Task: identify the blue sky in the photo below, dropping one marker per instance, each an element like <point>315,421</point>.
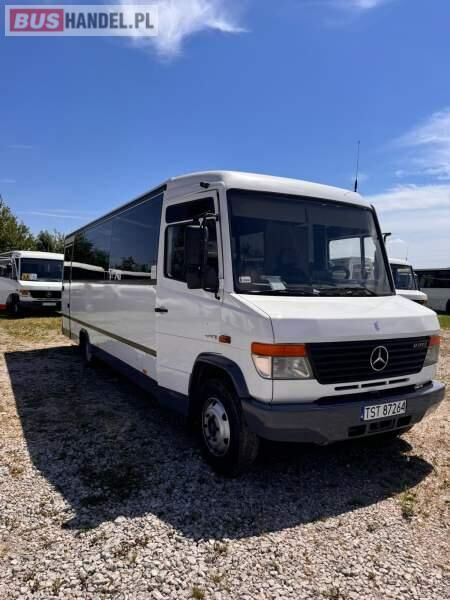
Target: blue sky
<point>285,88</point>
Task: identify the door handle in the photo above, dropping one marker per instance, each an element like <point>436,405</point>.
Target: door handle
<point>160,309</point>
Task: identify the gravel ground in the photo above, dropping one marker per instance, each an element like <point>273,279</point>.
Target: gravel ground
<point>103,495</point>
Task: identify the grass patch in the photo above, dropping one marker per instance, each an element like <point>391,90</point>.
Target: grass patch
<point>444,320</point>
<point>197,593</point>
<point>408,505</point>
<point>31,328</point>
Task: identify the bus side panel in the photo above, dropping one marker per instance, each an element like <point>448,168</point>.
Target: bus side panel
<point>113,284</point>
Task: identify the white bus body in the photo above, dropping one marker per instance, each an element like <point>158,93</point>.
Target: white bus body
<point>217,292</point>
<point>30,280</point>
<point>436,284</point>
<point>406,282</point>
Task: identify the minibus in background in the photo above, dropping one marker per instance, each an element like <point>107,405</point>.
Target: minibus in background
<point>405,281</point>
<point>436,284</point>
<point>222,294</point>
<point>30,280</point>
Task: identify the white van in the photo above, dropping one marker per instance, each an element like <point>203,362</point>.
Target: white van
<point>216,291</point>
<point>30,280</point>
<point>436,284</point>
<point>405,281</point>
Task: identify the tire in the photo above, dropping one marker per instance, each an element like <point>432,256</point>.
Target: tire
<point>86,350</point>
<point>12,307</point>
<point>448,307</point>
<point>227,443</point>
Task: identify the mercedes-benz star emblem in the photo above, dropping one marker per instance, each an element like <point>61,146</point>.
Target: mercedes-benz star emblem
<point>379,358</point>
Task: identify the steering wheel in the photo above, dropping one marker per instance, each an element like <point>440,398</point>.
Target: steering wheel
<point>341,269</point>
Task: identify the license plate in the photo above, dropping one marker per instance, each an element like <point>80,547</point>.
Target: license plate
<point>49,304</point>
<point>383,411</point>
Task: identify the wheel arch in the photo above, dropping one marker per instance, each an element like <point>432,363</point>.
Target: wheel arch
<point>13,297</point>
<point>215,365</point>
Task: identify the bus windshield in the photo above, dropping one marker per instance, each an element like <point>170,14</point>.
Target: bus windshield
<point>38,269</point>
<point>284,245</point>
<point>404,278</point>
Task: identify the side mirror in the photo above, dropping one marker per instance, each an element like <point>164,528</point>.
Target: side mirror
<point>195,240</point>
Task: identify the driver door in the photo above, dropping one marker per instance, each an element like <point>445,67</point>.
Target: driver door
<point>187,321</point>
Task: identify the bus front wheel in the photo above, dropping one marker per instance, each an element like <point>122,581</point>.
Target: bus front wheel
<point>228,445</point>
<point>12,306</point>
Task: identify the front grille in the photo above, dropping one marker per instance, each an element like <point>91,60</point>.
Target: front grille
<point>344,362</point>
<point>45,295</point>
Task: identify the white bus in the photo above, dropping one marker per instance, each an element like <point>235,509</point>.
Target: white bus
<point>405,281</point>
<point>436,284</point>
<point>30,280</point>
<point>217,292</point>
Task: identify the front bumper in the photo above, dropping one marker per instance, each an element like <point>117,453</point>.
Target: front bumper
<point>323,424</point>
<point>40,305</point>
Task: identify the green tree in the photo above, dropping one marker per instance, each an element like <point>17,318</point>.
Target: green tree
<point>14,234</point>
<point>47,241</point>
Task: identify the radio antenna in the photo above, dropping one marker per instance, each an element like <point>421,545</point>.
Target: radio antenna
<point>357,166</point>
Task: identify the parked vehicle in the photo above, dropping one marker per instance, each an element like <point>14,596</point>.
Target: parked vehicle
<point>436,284</point>
<point>30,280</point>
<point>405,281</point>
<point>217,292</point>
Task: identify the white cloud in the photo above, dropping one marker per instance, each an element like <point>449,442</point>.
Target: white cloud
<point>365,4</point>
<point>412,197</point>
<point>356,5</point>
<point>179,19</point>
<point>419,215</point>
<point>59,213</point>
<point>428,147</point>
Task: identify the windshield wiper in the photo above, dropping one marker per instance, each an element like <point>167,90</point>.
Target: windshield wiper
<point>348,291</point>
<point>286,292</point>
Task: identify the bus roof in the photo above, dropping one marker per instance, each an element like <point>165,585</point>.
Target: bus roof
<point>32,254</point>
<point>195,182</point>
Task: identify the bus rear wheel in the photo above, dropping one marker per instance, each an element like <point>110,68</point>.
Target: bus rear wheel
<point>86,349</point>
<point>227,443</point>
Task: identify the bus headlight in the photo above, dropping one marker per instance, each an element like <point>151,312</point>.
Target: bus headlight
<point>432,356</point>
<point>281,361</point>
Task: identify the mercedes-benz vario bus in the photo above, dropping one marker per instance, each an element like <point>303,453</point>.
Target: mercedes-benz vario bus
<point>217,292</point>
<point>30,280</point>
<point>405,281</point>
<point>436,284</point>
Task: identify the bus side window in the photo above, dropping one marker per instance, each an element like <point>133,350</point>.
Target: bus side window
<point>6,270</point>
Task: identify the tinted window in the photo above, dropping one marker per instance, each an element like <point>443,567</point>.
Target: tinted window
<point>6,268</point>
<point>38,269</point>
<point>302,246</point>
<point>91,253</point>
<point>187,211</point>
<point>175,266</point>
<point>134,245</point>
<point>436,279</point>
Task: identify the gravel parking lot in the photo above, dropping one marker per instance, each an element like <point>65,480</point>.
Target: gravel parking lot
<point>102,494</point>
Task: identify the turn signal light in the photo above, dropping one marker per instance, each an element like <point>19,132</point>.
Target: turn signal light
<point>278,349</point>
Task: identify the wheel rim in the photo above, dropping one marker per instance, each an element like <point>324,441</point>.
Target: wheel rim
<point>216,427</point>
